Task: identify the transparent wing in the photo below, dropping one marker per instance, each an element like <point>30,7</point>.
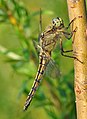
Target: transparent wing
<point>36,45</point>
<point>52,69</point>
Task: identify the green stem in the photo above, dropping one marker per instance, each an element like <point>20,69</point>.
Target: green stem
<point>10,54</point>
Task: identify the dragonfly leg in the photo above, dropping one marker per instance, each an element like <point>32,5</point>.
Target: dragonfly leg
<point>69,35</point>
<point>62,52</point>
<point>71,23</point>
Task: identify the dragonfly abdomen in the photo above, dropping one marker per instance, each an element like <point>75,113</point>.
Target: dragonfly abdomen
<point>42,66</point>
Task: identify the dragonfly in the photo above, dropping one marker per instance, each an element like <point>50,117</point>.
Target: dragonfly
<point>48,40</point>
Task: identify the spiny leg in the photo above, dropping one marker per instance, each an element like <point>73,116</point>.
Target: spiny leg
<point>71,23</point>
<point>69,35</point>
<point>62,52</point>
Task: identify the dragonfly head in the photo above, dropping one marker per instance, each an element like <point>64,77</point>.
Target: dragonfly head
<point>57,23</point>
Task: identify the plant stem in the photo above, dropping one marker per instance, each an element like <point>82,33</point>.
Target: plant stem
<point>77,9</point>
<point>10,54</point>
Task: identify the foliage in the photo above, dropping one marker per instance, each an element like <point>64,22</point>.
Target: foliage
<point>55,96</point>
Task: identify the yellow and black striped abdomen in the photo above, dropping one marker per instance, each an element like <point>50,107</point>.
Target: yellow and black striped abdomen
<point>41,69</point>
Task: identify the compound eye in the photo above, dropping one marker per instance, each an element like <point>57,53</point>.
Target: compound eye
<point>57,22</point>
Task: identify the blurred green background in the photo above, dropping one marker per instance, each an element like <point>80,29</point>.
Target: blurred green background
<point>19,25</point>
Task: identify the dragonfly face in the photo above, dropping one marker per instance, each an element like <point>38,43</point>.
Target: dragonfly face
<point>57,22</point>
